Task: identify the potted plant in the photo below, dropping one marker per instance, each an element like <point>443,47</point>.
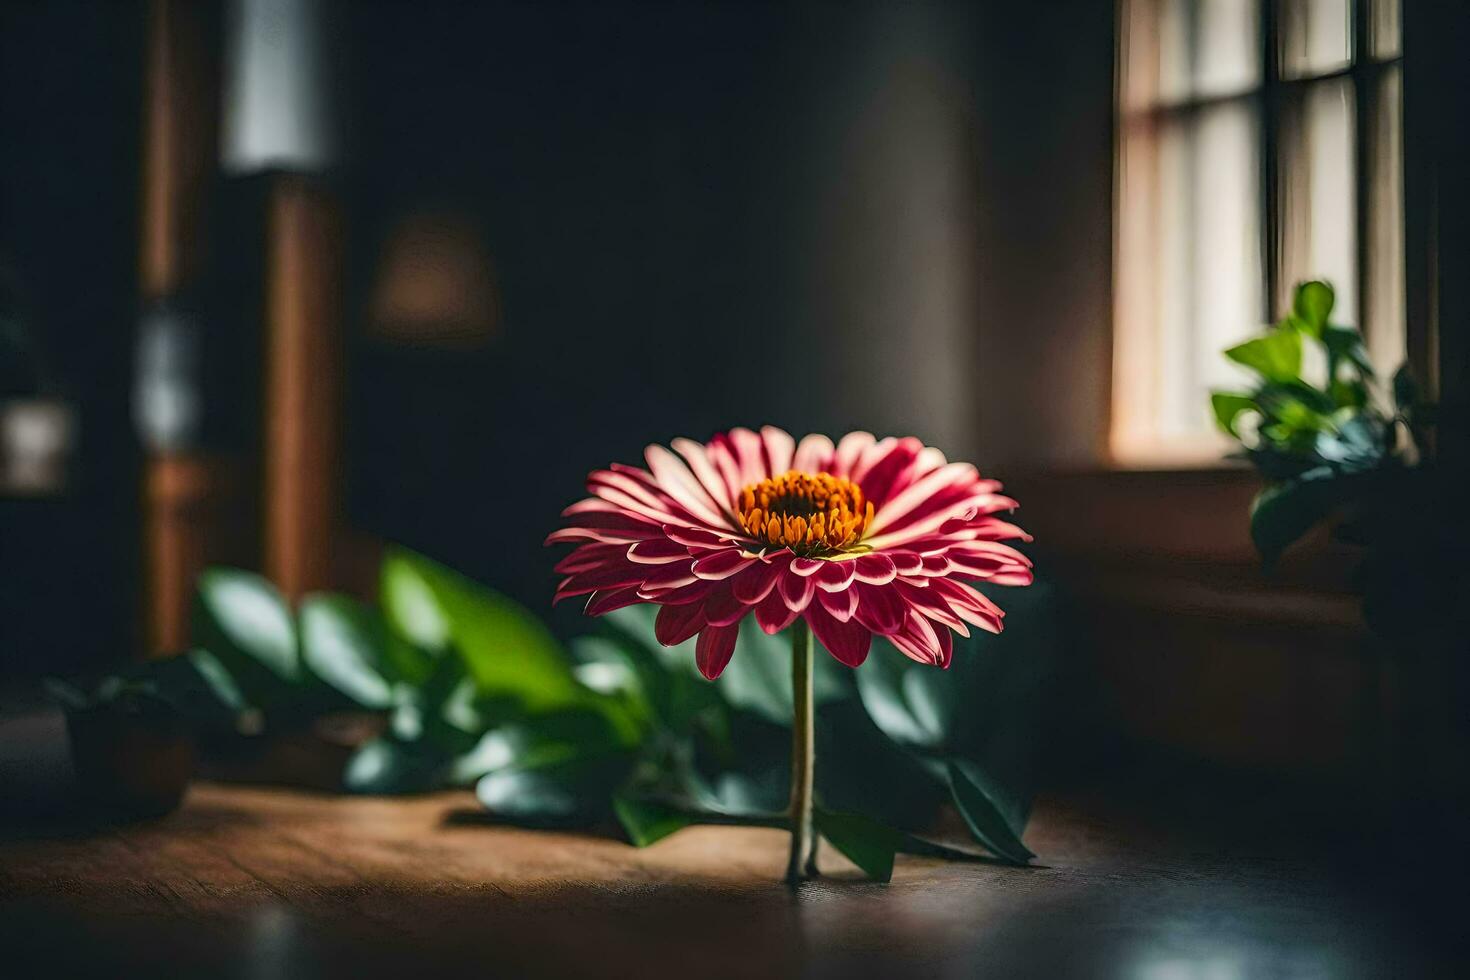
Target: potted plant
<point>131,747</point>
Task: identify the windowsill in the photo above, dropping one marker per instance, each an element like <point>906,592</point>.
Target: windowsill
<point>1143,528</point>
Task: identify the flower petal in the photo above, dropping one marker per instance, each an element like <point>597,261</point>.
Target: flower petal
<point>905,562</point>
<point>678,482</point>
<point>756,581</point>
<point>946,648</point>
<point>836,576</point>
<point>670,575</point>
<point>778,447</point>
<point>796,591</point>
<point>749,455</point>
<point>840,604</point>
<point>717,565</point>
<point>603,516</point>
<point>880,608</point>
<point>590,556</point>
<point>970,604</point>
<point>721,453</point>
<point>890,472</point>
<point>773,614</point>
<point>705,472</point>
<point>678,595</point>
<point>934,604</point>
<point>700,538</point>
<point>918,641</point>
<point>956,477</point>
<point>675,624</point>
<point>715,648</point>
<point>813,454</point>
<point>850,449</point>
<point>620,489</point>
<point>847,642</point>
<point>721,607</point>
<point>562,535</point>
<point>806,566</point>
<point>606,577</point>
<point>606,600</point>
<point>875,569</point>
<point>656,551</point>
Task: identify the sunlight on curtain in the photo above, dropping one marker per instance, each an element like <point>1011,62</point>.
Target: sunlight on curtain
<point>1384,323</point>
<point>1317,202</point>
<point>1188,279</point>
<point>1316,37</point>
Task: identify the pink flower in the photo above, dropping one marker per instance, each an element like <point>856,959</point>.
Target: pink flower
<point>867,536</point>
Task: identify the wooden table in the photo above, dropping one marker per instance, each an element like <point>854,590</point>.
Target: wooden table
<point>262,882</point>
<point>1158,871</point>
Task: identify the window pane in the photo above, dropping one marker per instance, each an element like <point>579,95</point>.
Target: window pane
<point>1189,273</point>
<point>1318,204</point>
<point>1385,35</point>
<point>1315,37</point>
<point>1384,277</point>
<point>1176,50</point>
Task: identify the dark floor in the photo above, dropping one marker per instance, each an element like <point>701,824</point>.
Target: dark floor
<point>1153,874</point>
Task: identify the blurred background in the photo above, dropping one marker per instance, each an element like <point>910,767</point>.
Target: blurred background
<point>285,280</point>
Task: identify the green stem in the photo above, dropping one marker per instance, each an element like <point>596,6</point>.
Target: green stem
<point>803,862</point>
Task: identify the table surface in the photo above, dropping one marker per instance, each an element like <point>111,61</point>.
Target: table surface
<point>1161,870</point>
<point>258,882</point>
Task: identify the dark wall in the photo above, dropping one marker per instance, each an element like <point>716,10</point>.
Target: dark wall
<point>70,99</point>
<point>680,202</point>
<point>708,214</point>
<point>825,216</point>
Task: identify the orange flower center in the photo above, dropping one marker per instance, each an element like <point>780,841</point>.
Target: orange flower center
<point>813,514</point>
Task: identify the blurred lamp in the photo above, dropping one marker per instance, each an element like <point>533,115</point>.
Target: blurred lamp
<point>277,87</point>
<point>35,445</point>
<point>434,285</point>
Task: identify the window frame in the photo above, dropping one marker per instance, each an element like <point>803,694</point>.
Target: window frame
<point>1268,96</point>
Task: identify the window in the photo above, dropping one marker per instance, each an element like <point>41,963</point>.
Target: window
<point>1259,144</point>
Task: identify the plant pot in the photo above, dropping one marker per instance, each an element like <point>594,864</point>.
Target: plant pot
<point>133,757</point>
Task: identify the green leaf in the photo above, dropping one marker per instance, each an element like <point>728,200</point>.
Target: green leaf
<point>581,737</point>
<point>493,751</point>
<point>1228,406</point>
<point>984,711</point>
<point>543,795</point>
<point>408,601</point>
<point>406,662</point>
<point>679,697</point>
<point>429,710</point>
<point>995,819</point>
<point>388,766</point>
<point>507,650</point>
<point>1296,403</point>
<point>647,822</point>
<point>1283,512</point>
<point>1277,356</point>
<point>1349,394</point>
<point>242,620</point>
<point>1346,344</point>
<point>218,680</point>
<point>866,843</point>
<point>1313,305</point>
<point>886,693</point>
<point>343,643</point>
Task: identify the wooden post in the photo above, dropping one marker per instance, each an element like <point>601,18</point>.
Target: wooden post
<point>193,501</point>
<point>303,370</point>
